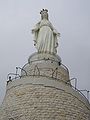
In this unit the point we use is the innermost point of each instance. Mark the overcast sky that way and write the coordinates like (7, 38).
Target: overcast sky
(70, 17)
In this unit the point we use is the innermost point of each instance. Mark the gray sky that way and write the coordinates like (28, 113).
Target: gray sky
(70, 17)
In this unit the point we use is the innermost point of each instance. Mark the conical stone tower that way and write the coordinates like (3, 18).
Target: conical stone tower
(43, 90)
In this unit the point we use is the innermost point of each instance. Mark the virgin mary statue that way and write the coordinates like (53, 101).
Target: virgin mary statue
(45, 36)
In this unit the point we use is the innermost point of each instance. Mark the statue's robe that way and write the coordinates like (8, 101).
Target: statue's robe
(45, 37)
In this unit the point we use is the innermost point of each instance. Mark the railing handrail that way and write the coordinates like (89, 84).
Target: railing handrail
(65, 67)
(67, 82)
(22, 69)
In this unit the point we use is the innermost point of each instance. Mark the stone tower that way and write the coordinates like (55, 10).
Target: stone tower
(43, 90)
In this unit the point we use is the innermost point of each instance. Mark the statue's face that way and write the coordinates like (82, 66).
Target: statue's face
(44, 15)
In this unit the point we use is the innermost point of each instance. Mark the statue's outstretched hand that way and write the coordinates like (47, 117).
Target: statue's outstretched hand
(33, 30)
(56, 33)
(35, 42)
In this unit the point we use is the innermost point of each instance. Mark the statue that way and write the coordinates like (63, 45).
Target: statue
(45, 35)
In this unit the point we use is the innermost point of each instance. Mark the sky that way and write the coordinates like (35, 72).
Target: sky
(70, 17)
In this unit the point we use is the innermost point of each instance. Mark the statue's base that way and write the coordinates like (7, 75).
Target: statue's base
(46, 65)
(38, 57)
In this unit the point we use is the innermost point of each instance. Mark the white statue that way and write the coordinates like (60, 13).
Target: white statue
(45, 35)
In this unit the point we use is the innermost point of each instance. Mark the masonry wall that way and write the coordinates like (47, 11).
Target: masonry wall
(50, 100)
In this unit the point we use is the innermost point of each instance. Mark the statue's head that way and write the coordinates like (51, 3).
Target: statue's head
(44, 14)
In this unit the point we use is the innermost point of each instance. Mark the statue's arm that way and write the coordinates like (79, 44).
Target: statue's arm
(35, 31)
(56, 35)
(36, 28)
(55, 32)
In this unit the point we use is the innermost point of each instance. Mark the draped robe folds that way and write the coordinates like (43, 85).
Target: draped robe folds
(45, 37)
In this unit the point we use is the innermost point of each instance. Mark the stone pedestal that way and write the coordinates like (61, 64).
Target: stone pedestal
(46, 65)
(43, 92)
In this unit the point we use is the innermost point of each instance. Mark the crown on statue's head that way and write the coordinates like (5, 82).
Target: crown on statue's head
(43, 11)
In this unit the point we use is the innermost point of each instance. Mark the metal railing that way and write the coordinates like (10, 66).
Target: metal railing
(75, 83)
(21, 70)
(87, 93)
(16, 76)
(80, 91)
